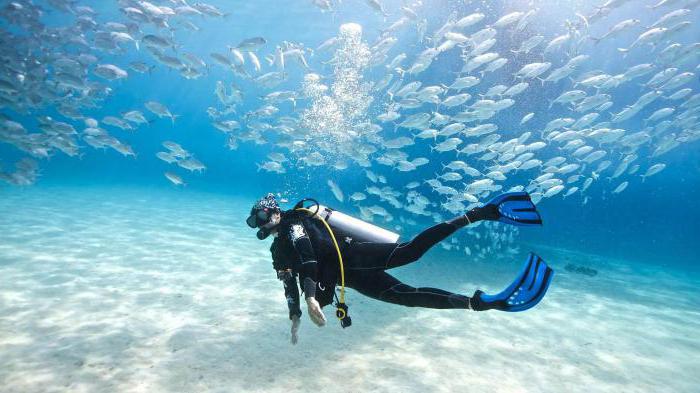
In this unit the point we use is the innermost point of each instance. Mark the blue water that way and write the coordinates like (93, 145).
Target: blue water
(648, 230)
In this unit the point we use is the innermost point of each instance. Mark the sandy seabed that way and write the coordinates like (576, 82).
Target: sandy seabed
(133, 290)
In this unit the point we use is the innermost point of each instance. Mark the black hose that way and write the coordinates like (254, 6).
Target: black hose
(300, 204)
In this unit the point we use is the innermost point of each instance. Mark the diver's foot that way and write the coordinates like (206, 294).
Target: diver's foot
(488, 212)
(477, 304)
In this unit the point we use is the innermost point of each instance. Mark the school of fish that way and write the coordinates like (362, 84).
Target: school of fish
(363, 104)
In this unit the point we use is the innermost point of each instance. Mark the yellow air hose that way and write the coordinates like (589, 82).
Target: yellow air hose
(341, 313)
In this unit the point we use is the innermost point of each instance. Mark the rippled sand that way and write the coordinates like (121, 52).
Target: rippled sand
(141, 290)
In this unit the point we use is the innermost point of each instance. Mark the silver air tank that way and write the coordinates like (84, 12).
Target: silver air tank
(360, 231)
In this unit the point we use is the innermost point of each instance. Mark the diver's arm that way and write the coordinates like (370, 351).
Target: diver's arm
(307, 259)
(307, 271)
(291, 292)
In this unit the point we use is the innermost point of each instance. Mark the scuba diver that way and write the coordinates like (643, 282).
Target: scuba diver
(325, 247)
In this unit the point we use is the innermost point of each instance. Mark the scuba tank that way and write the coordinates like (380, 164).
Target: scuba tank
(358, 230)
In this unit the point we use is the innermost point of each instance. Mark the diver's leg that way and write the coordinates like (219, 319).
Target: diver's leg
(380, 285)
(373, 256)
(411, 251)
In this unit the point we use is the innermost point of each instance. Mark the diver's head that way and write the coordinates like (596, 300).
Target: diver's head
(265, 215)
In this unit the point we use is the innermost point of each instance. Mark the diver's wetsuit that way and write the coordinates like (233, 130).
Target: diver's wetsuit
(304, 247)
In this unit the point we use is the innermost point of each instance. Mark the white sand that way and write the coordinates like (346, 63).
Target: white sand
(141, 291)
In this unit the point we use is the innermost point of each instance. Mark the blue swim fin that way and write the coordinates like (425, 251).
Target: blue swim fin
(516, 208)
(525, 292)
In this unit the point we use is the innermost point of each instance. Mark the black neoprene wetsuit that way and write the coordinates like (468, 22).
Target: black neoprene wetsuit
(303, 247)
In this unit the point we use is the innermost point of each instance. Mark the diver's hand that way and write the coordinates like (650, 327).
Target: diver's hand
(296, 321)
(315, 312)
